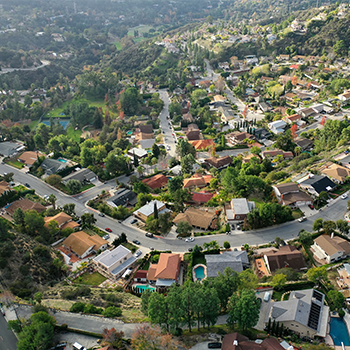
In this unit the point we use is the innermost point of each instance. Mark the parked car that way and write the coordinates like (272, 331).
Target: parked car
(302, 219)
(106, 237)
(214, 345)
(78, 346)
(133, 221)
(27, 185)
(59, 346)
(120, 221)
(108, 229)
(190, 239)
(151, 248)
(101, 214)
(149, 234)
(138, 253)
(238, 227)
(311, 207)
(190, 250)
(136, 241)
(2, 311)
(344, 196)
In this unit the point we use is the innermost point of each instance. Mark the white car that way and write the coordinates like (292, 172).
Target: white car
(344, 196)
(191, 239)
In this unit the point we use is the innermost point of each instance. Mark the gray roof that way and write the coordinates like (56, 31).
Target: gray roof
(300, 308)
(81, 175)
(216, 263)
(241, 206)
(319, 183)
(138, 152)
(148, 208)
(51, 166)
(123, 197)
(8, 148)
(119, 269)
(145, 144)
(109, 257)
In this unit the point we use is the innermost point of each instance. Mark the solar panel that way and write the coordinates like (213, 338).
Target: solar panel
(316, 294)
(314, 316)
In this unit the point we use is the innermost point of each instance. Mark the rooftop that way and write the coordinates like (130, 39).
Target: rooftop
(148, 209)
(156, 181)
(109, 257)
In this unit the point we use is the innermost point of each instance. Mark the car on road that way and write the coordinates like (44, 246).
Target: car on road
(120, 221)
(136, 241)
(27, 185)
(138, 253)
(151, 248)
(133, 221)
(108, 229)
(190, 239)
(302, 219)
(149, 234)
(214, 345)
(311, 207)
(344, 196)
(101, 214)
(190, 250)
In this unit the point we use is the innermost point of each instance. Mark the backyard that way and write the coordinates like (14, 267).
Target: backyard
(90, 279)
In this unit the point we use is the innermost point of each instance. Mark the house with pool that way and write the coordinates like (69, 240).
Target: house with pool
(304, 313)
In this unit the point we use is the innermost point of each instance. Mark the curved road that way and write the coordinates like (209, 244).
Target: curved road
(290, 230)
(10, 70)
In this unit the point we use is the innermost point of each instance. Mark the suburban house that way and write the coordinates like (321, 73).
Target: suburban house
(295, 118)
(304, 313)
(193, 135)
(113, 263)
(199, 198)
(82, 245)
(238, 138)
(219, 163)
(315, 184)
(197, 181)
(63, 221)
(147, 210)
(286, 256)
(147, 144)
(289, 194)
(239, 209)
(237, 341)
(124, 197)
(304, 144)
(156, 181)
(144, 132)
(166, 271)
(188, 118)
(139, 153)
(249, 157)
(337, 173)
(29, 158)
(82, 175)
(277, 152)
(203, 219)
(344, 96)
(330, 248)
(217, 263)
(25, 204)
(9, 149)
(52, 166)
(141, 276)
(277, 127)
(202, 144)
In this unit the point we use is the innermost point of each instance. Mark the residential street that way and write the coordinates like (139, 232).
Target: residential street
(8, 341)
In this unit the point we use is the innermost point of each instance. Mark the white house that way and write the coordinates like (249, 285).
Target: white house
(277, 127)
(344, 96)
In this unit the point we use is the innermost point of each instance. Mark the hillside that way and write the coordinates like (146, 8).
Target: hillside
(17, 59)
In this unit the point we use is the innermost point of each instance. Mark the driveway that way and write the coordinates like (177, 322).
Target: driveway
(70, 338)
(264, 308)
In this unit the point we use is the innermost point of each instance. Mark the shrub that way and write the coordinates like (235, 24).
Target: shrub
(112, 311)
(77, 307)
(341, 313)
(91, 309)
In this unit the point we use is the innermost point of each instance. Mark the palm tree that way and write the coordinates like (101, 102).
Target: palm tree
(140, 170)
(52, 200)
(297, 150)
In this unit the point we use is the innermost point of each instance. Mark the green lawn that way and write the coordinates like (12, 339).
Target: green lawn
(199, 260)
(140, 29)
(118, 45)
(86, 187)
(33, 124)
(297, 213)
(93, 279)
(74, 134)
(130, 246)
(20, 188)
(15, 163)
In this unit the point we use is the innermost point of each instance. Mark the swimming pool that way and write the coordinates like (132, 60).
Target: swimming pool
(62, 160)
(199, 272)
(64, 122)
(339, 331)
(139, 288)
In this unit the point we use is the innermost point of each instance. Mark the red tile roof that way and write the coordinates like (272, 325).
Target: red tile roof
(201, 197)
(156, 181)
(201, 144)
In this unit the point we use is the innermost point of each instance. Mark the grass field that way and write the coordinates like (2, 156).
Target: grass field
(33, 124)
(140, 29)
(93, 279)
(118, 45)
(73, 134)
(15, 164)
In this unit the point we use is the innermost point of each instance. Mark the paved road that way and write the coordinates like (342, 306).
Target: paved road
(164, 123)
(238, 238)
(8, 341)
(9, 70)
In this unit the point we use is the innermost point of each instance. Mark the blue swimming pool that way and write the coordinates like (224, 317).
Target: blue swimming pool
(63, 122)
(62, 160)
(199, 271)
(339, 331)
(139, 288)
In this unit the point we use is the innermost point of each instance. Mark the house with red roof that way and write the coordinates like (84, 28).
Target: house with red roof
(199, 198)
(156, 181)
(197, 181)
(202, 144)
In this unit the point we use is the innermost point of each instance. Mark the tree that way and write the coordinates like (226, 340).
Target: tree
(112, 311)
(187, 163)
(336, 299)
(74, 186)
(278, 280)
(317, 225)
(52, 200)
(130, 101)
(227, 245)
(183, 148)
(38, 297)
(305, 237)
(155, 150)
(69, 208)
(244, 308)
(174, 299)
(184, 228)
(54, 180)
(88, 219)
(317, 274)
(255, 150)
(158, 310)
(329, 227)
(290, 274)
(174, 184)
(113, 338)
(343, 226)
(97, 120)
(248, 280)
(18, 217)
(34, 222)
(155, 210)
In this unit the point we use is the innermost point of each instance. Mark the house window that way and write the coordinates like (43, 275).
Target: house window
(237, 216)
(125, 258)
